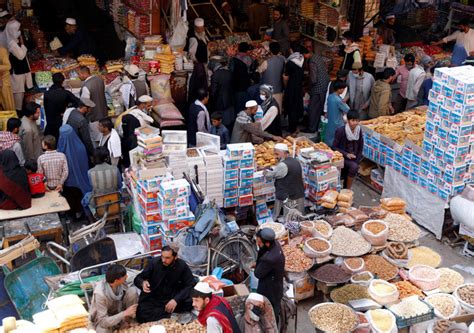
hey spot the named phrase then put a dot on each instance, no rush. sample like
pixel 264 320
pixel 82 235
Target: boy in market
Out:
pixel 36 180
pixel 219 129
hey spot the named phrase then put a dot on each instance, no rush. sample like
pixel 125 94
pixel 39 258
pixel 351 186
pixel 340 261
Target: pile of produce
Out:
pixel 410 307
pixel 449 280
pixel 466 294
pixel 406 125
pixel 295 260
pixel 333 318
pixel 171 326
pixel 348 243
pixel 445 304
pixel 349 292
pixel 331 273
pixel 380 267
pixel 400 229
pixel 423 255
pixel 407 289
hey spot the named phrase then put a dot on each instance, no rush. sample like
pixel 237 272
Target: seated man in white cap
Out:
pixel 246 130
pixel 288 178
pixel 215 312
pixel 79 42
pixel 197 42
pixel 113 302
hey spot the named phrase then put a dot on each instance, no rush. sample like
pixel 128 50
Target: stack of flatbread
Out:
pixel 393 205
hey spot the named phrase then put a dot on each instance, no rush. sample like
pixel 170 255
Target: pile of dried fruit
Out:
pixel 322 227
pixel 318 245
pixel 295 260
pixel 466 294
pixel 171 326
pixel 333 318
pixel 354 263
pixel 449 280
pixel 406 289
pixel 380 267
pixel 397 250
pixel 443 303
pixel 400 229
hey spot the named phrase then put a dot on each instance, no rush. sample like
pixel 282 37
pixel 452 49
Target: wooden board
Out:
pixel 52 202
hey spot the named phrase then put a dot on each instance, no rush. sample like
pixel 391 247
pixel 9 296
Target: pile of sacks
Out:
pixel 345 200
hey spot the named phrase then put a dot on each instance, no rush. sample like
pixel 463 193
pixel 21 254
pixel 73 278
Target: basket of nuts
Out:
pixel 333 318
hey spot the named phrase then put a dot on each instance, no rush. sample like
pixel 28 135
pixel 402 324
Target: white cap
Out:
pixel 203 287
pixel 225 3
pixel 71 21
pixel 145 99
pixel 157 329
pixel 281 146
pixel 3 13
pixel 199 22
pixel 256 297
pixel 388 17
pixel 132 69
pixel 250 103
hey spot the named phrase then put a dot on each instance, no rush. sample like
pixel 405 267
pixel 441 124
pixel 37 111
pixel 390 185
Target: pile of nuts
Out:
pixel 349 292
pixel 333 318
pixel 466 294
pixel 375 227
pixel 449 280
pixel 400 229
pixel 318 245
pixel 354 263
pixel 443 303
pixel 171 326
pixel 347 242
pixel 296 260
pixel 363 276
pixel 322 228
pixel 423 255
pixel 380 267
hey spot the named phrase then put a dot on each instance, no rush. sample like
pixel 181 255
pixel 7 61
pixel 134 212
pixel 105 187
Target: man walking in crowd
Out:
pixel 381 96
pixel 415 80
pixel 272 72
pixel 78 121
pixel 341 76
pixel 240 68
pixel 319 81
pixel 402 74
pixel 215 312
pixel 198 118
pixel 281 31
pixel 221 91
pixel 360 85
pixel 288 177
pixel 140 112
pixel 349 141
pixel 246 130
pixel 113 301
pixel 270 268
pixel 336 111
pixel 93 88
pixel 56 100
pixel 53 165
pixel 110 139
pixel 10 140
pixel 197 42
pixel 30 133
pixel 166 286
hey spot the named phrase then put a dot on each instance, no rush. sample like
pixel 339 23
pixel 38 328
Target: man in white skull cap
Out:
pixel 288 177
pixel 197 42
pixel 215 312
pixel 79 42
pixel 141 87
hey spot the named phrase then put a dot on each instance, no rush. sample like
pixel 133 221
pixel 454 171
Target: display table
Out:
pixel 40 225
pixel 426 209
pixel 52 202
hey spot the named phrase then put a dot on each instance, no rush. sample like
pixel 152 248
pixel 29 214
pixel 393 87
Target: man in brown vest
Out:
pixel 93 88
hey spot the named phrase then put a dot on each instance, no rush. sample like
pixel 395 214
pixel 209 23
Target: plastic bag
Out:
pixel 193 255
pixel 375 239
pixel 358 215
pixel 343 219
pixel 395 203
pixel 161 89
pixel 438 314
pixel 428 280
pixel 345 195
pixel 178 39
pixel 313 253
pixel 344 204
pixel 372 314
pixel 330 196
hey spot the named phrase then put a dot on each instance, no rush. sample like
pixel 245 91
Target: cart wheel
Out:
pixel 235 254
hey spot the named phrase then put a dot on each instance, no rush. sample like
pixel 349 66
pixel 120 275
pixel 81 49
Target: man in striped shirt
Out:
pixel 53 165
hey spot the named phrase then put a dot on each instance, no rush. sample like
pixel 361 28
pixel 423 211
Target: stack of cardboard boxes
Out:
pixel 239 167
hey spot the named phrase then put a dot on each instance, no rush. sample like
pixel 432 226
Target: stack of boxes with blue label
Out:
pixel 214 176
pixel 263 191
pixel 150 145
pixel 447 146
pixel 148 206
pixel 239 167
pixel 173 202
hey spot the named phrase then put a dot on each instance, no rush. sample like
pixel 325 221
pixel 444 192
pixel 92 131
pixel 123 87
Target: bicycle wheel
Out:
pixel 234 254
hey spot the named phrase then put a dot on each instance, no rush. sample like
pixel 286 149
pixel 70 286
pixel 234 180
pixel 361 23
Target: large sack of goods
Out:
pixel 160 89
pixel 329 199
pixel 167 115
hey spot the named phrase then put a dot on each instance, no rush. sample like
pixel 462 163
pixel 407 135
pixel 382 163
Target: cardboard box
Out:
pixel 239 151
pixel 247 163
pixel 175 188
pixel 151 228
pixel 180 223
pixel 174 213
pixel 230 184
pixel 247 182
pixel 230 164
pixel 247 173
pixel 231 174
pixel 231 192
pixel 172 202
pixel 245 191
pixel 239 290
pixel 246 200
pixel 231 202
pixel 153 242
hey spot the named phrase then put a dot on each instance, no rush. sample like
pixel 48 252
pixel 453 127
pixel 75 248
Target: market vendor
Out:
pixel 271 121
pixel 350 52
pixel 166 286
pixel 215 312
pixel 386 31
pixel 464 36
pixel 288 177
pixel 127 88
pixel 141 112
pixel 228 15
pixel 349 141
pixel 79 42
pixel 113 302
pixel 270 268
pixel 246 130
pixel 197 42
pixel 199 119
